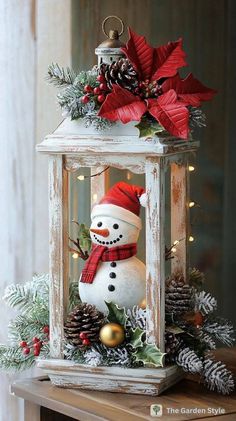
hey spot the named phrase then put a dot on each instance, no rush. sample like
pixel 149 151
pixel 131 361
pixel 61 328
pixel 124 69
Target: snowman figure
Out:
pixel 112 272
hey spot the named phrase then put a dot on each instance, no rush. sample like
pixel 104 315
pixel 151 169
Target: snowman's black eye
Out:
pixel 99 224
pixel 115 226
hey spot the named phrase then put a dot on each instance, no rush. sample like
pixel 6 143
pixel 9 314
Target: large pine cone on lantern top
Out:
pixel 178 296
pixel 84 318
pixel 121 73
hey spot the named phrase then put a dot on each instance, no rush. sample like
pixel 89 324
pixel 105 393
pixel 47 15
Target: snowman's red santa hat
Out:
pixel 123 202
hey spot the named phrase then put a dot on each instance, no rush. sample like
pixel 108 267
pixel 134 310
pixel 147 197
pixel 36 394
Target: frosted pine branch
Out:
pixel 197 118
pixel 12 359
pixel 189 361
pixel 207 339
pixel 93 357
pixel 118 356
pixel 60 76
pixel 222 330
pixel 204 302
pixel 217 377
pixel 17 295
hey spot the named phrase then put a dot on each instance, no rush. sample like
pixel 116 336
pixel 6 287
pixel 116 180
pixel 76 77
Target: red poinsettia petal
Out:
pixel 140 54
pixel 171 114
pixel 122 105
pixel 189 90
pixel 168 59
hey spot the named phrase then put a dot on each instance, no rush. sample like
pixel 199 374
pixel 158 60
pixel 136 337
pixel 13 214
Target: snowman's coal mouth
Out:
pixel 107 242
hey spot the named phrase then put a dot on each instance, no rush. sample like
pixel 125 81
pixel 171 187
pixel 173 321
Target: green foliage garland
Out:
pixel 191 336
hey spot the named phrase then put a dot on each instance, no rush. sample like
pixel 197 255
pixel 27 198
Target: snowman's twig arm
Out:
pixel 83 254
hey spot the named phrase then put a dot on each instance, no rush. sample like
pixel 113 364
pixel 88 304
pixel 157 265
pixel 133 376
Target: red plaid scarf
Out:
pixel 105 254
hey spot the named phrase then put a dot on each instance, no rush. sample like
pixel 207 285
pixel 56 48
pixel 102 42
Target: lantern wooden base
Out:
pixel 144 381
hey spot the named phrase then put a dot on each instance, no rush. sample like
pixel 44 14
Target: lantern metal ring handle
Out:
pixel 110 17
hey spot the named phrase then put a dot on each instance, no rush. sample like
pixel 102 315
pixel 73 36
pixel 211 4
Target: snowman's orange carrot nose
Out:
pixel 102 232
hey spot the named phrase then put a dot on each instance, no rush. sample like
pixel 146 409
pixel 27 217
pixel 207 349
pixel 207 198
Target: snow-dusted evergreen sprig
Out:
pixel 207 340
pixel 221 329
pixel 32 302
pixel 93 357
pixel 197 118
pixel 217 377
pixel 60 76
pixel 119 356
pixel 72 91
pixel 204 302
pixel 91 119
pixel 136 318
pixel 189 361
pixel 72 352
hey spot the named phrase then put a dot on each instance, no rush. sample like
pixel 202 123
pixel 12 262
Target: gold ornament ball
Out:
pixel 112 335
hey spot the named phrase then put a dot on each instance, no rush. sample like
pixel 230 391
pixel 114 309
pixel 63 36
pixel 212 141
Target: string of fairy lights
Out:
pixel 191 204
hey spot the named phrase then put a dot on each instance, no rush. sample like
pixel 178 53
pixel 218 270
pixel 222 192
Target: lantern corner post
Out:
pixel 180 221
pixel 58 252
pixel 155 250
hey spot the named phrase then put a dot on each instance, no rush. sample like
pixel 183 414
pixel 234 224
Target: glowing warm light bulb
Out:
pixel 80 177
pixel 191 168
pixel 174 249
pixel 191 238
pixel 176 242
pixel 75 255
pixel 129 175
pixel 191 204
pixel 95 197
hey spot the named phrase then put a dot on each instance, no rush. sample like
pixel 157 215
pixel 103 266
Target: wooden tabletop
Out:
pixel 179 403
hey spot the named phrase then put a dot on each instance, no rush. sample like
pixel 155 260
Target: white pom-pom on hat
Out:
pixel 143 200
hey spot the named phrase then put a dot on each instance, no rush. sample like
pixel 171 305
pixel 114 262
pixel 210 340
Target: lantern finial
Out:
pixel 110 49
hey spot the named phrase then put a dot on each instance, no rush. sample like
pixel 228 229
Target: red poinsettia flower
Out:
pixel 157 67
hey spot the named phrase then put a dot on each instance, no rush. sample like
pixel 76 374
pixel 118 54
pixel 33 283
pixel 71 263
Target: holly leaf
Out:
pixel 148 129
pixel 189 90
pixel 122 105
pixel 136 337
pixel 140 54
pixel 116 314
pixel 149 355
pixel 170 113
pixel 168 59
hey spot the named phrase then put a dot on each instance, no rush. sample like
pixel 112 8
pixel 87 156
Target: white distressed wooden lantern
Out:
pixel 71 147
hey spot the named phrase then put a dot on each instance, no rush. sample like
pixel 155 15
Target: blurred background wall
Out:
pixel 33 34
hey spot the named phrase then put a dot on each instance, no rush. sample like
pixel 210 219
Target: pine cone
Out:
pixel 179 296
pixel 121 73
pixel 172 344
pixel 85 318
pixel 189 361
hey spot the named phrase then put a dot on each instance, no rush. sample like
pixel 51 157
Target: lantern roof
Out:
pixel 72 137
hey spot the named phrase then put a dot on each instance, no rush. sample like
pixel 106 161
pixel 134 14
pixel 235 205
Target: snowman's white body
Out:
pixel 122 281
pixel 129 284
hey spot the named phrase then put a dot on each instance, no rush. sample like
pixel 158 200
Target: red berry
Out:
pixel 88 89
pixel 85 99
pixel 26 350
pixel 103 86
pixel 86 342
pixel 37 345
pixel 46 329
pixel 23 344
pixel 83 335
pixel 35 340
pixel 101 98
pixel 96 91
pixel 36 352
pixel 100 78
